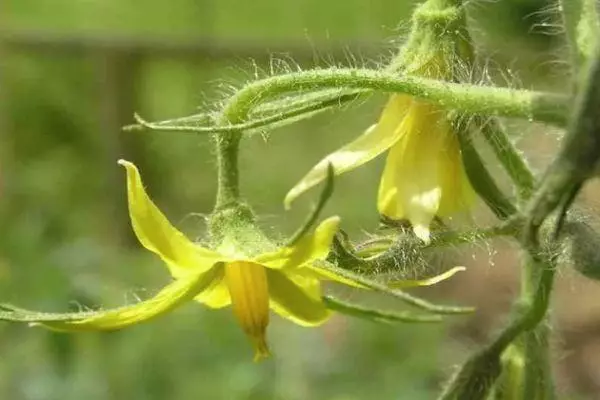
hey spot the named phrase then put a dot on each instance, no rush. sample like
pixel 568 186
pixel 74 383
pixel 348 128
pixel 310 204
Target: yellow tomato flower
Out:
pixel 282 280
pixel 424 174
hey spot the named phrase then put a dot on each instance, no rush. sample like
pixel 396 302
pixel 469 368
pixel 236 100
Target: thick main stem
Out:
pixel 534 344
pixel 582 27
pixel 477 376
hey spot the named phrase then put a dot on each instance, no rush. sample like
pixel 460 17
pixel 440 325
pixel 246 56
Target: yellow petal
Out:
pixel 156 233
pixel 309 248
pixel 174 294
pixel 457 193
pixel 372 143
pixel 416 173
pixel 297 297
pixel 249 291
pixel 216 295
pixel 403 284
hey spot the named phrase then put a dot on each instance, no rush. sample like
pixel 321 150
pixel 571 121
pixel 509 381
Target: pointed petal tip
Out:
pixel 289 198
pixel 404 284
pixel 329 227
pixel 332 221
pixel 123 162
pixel 261 349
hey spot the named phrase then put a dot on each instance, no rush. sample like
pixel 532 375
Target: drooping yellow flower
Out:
pixel 281 280
pixel 424 175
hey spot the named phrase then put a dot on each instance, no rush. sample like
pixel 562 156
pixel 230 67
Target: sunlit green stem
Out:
pixel 582 26
pixel 510 382
pixel 481 180
pixel 227 143
pixel 477 376
pixel 538 383
pixel 228 186
pixel 473 99
pixel 272 114
pixel 255 108
pixel 576 162
pixel 534 344
pixel 508 155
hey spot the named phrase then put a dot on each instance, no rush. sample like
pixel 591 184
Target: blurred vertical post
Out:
pixel 117 70
pixel 5 142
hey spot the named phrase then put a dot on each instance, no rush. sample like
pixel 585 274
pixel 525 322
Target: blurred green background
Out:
pixel 72 72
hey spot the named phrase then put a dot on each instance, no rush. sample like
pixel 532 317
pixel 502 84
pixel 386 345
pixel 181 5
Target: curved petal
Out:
pixel 424 174
pixel 174 294
pixel 297 298
pixel 411 185
pixel 155 232
pixel 216 295
pixel 387 198
pixel 403 284
pixel 309 248
pixel 377 139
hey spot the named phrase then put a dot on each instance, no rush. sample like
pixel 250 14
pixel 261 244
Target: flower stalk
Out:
pixel 228 143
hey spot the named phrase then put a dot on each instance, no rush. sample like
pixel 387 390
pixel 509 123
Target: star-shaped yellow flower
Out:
pixel 424 175
pixel 282 280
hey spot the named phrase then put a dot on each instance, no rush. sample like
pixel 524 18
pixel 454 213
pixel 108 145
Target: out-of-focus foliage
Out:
pixel 64 235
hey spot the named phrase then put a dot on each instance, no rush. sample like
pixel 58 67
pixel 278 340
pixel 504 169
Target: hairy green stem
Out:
pixel 227 143
pixel 508 155
pixel 533 346
pixel 475 379
pixel 276 114
pixel 544 107
pixel 582 27
pixel 577 159
pixel 576 162
pixel 509 385
pixel 474 99
pixel 228 185
pixel 537 373
pixel 371 251
pixel 535 343
pixel 481 180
